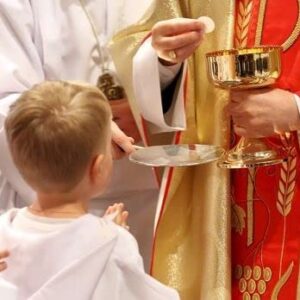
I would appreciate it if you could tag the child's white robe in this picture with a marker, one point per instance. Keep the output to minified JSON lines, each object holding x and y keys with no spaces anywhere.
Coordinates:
{"x":91,"y":258}
{"x":51,"y":40}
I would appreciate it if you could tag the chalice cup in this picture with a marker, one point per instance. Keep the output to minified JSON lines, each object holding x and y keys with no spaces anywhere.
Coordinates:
{"x":246,"y":68}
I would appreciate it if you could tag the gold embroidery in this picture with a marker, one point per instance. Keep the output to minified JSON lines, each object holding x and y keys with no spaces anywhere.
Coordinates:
{"x":282,"y":281}
{"x":294,"y":35}
{"x":247,"y":272}
{"x":242,"y":285}
{"x":286,"y":190}
{"x":255,"y":297}
{"x":242,"y":24}
{"x":252,"y":282}
{"x":246,"y":296}
{"x":238,"y":216}
{"x":267,"y":274}
{"x":257,"y":272}
{"x":261,"y":287}
{"x":260,"y":22}
{"x":251,"y":286}
{"x":287,"y":184}
{"x":238,"y":272}
{"x":241,"y":38}
{"x":287,"y":180}
{"x":261,"y":15}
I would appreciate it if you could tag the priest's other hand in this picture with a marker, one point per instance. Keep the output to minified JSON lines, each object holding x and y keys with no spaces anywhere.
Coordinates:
{"x":123,"y":116}
{"x":121,"y":143}
{"x":3,"y":254}
{"x":176,"y":39}
{"x":263,"y":112}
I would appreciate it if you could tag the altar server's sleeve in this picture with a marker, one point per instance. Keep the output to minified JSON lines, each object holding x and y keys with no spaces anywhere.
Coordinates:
{"x":21,"y":67}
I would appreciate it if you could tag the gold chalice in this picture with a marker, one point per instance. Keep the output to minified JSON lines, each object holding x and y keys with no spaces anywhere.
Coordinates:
{"x":246,"y":68}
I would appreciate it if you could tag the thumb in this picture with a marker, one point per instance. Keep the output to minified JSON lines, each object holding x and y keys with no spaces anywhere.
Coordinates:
{"x":121,"y":139}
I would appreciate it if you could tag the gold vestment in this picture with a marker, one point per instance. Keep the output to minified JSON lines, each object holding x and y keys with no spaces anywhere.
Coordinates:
{"x":192,"y":240}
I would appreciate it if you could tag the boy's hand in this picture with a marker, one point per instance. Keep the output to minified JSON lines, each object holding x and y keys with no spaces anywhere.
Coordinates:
{"x":117,"y":214}
{"x":3,"y":264}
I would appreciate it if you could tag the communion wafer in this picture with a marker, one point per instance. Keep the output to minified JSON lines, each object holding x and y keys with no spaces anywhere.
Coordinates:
{"x":209,"y":24}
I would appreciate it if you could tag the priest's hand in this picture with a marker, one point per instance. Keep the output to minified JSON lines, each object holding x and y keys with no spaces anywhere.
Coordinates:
{"x":176,"y":39}
{"x":121,"y":143}
{"x":123,"y":117}
{"x":3,"y":254}
{"x":263,"y":112}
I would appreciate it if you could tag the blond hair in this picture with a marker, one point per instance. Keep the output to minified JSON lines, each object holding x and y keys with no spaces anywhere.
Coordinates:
{"x":54,"y":130}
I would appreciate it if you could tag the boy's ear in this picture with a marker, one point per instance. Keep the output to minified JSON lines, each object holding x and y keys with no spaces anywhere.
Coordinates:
{"x":95,"y":168}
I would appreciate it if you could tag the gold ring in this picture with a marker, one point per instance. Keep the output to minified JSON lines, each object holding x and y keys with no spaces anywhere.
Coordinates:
{"x":172,"y":55}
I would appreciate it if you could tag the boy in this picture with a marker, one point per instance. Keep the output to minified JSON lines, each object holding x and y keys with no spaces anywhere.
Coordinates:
{"x":59,"y":136}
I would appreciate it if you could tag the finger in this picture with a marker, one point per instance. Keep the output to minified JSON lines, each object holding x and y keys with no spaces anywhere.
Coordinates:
{"x":181,"y":53}
{"x":114,"y":207}
{"x":116,"y":131}
{"x":3,"y":266}
{"x":125,"y":145}
{"x":240,"y":131}
{"x":240,"y":109}
{"x":134,"y":133}
{"x":121,"y":139}
{"x":176,"y":26}
{"x":125,"y":215}
{"x":178,"y":41}
{"x":4,"y":254}
{"x":185,"y":52}
{"x":120,"y":207}
{"x":107,"y":212}
{"x":246,"y":133}
{"x":124,"y":218}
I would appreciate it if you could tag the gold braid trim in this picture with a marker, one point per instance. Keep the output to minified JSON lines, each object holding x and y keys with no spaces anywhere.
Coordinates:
{"x":242,"y":24}
{"x":260,"y":22}
{"x":295,"y":34}
{"x":261,"y":16}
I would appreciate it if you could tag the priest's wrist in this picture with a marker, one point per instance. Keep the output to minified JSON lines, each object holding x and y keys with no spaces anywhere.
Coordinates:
{"x":166,"y":62}
{"x":295,"y":126}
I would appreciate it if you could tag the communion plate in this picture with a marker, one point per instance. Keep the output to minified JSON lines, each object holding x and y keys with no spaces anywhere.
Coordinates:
{"x":176,"y":155}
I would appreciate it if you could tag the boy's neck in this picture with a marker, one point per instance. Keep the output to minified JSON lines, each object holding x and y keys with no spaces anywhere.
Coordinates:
{"x":58,"y":206}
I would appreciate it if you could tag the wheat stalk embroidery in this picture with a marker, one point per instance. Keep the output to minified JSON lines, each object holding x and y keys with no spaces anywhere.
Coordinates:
{"x":287,"y":181}
{"x":242,"y":24}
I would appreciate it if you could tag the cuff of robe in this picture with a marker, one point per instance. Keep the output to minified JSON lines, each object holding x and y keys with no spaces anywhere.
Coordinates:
{"x":147,"y":87}
{"x":167,"y":73}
